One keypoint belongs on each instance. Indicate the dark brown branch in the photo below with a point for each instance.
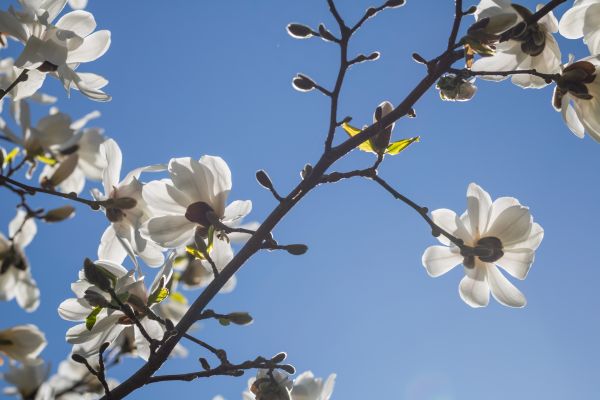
(469, 73)
(458, 14)
(534, 18)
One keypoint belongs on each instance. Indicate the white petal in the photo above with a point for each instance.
(236, 210)
(78, 4)
(517, 262)
(93, 47)
(473, 288)
(74, 309)
(169, 231)
(11, 26)
(22, 230)
(479, 205)
(27, 294)
(114, 159)
(438, 260)
(571, 118)
(451, 223)
(511, 225)
(110, 247)
(164, 198)
(504, 291)
(82, 23)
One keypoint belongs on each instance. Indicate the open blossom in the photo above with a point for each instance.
(22, 342)
(499, 234)
(577, 97)
(16, 281)
(128, 213)
(58, 49)
(581, 20)
(101, 316)
(304, 387)
(533, 48)
(27, 379)
(456, 88)
(276, 386)
(28, 88)
(181, 204)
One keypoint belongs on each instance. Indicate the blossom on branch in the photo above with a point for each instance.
(534, 47)
(58, 49)
(581, 20)
(102, 285)
(184, 204)
(16, 281)
(577, 97)
(498, 234)
(22, 342)
(127, 213)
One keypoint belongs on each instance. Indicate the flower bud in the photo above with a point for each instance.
(325, 34)
(296, 249)
(264, 180)
(279, 357)
(239, 318)
(394, 3)
(299, 31)
(303, 83)
(59, 214)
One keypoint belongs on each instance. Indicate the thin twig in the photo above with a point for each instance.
(458, 14)
(21, 78)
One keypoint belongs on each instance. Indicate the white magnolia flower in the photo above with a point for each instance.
(581, 20)
(72, 149)
(102, 320)
(534, 48)
(275, 386)
(180, 204)
(22, 342)
(500, 234)
(58, 48)
(16, 281)
(123, 233)
(577, 97)
(456, 88)
(307, 387)
(74, 381)
(26, 378)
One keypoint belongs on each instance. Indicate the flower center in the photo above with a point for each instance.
(487, 249)
(196, 212)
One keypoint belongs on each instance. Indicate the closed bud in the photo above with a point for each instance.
(78, 358)
(239, 318)
(394, 3)
(279, 357)
(418, 58)
(471, 10)
(204, 363)
(288, 368)
(306, 171)
(263, 179)
(299, 31)
(59, 214)
(325, 34)
(296, 249)
(371, 12)
(303, 83)
(374, 56)
(122, 203)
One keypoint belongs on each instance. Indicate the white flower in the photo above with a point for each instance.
(577, 97)
(534, 48)
(22, 342)
(74, 381)
(123, 232)
(15, 274)
(275, 386)
(456, 88)
(26, 378)
(307, 387)
(102, 319)
(35, 79)
(500, 234)
(58, 48)
(581, 20)
(181, 203)
(73, 150)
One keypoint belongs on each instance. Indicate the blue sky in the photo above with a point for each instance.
(194, 78)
